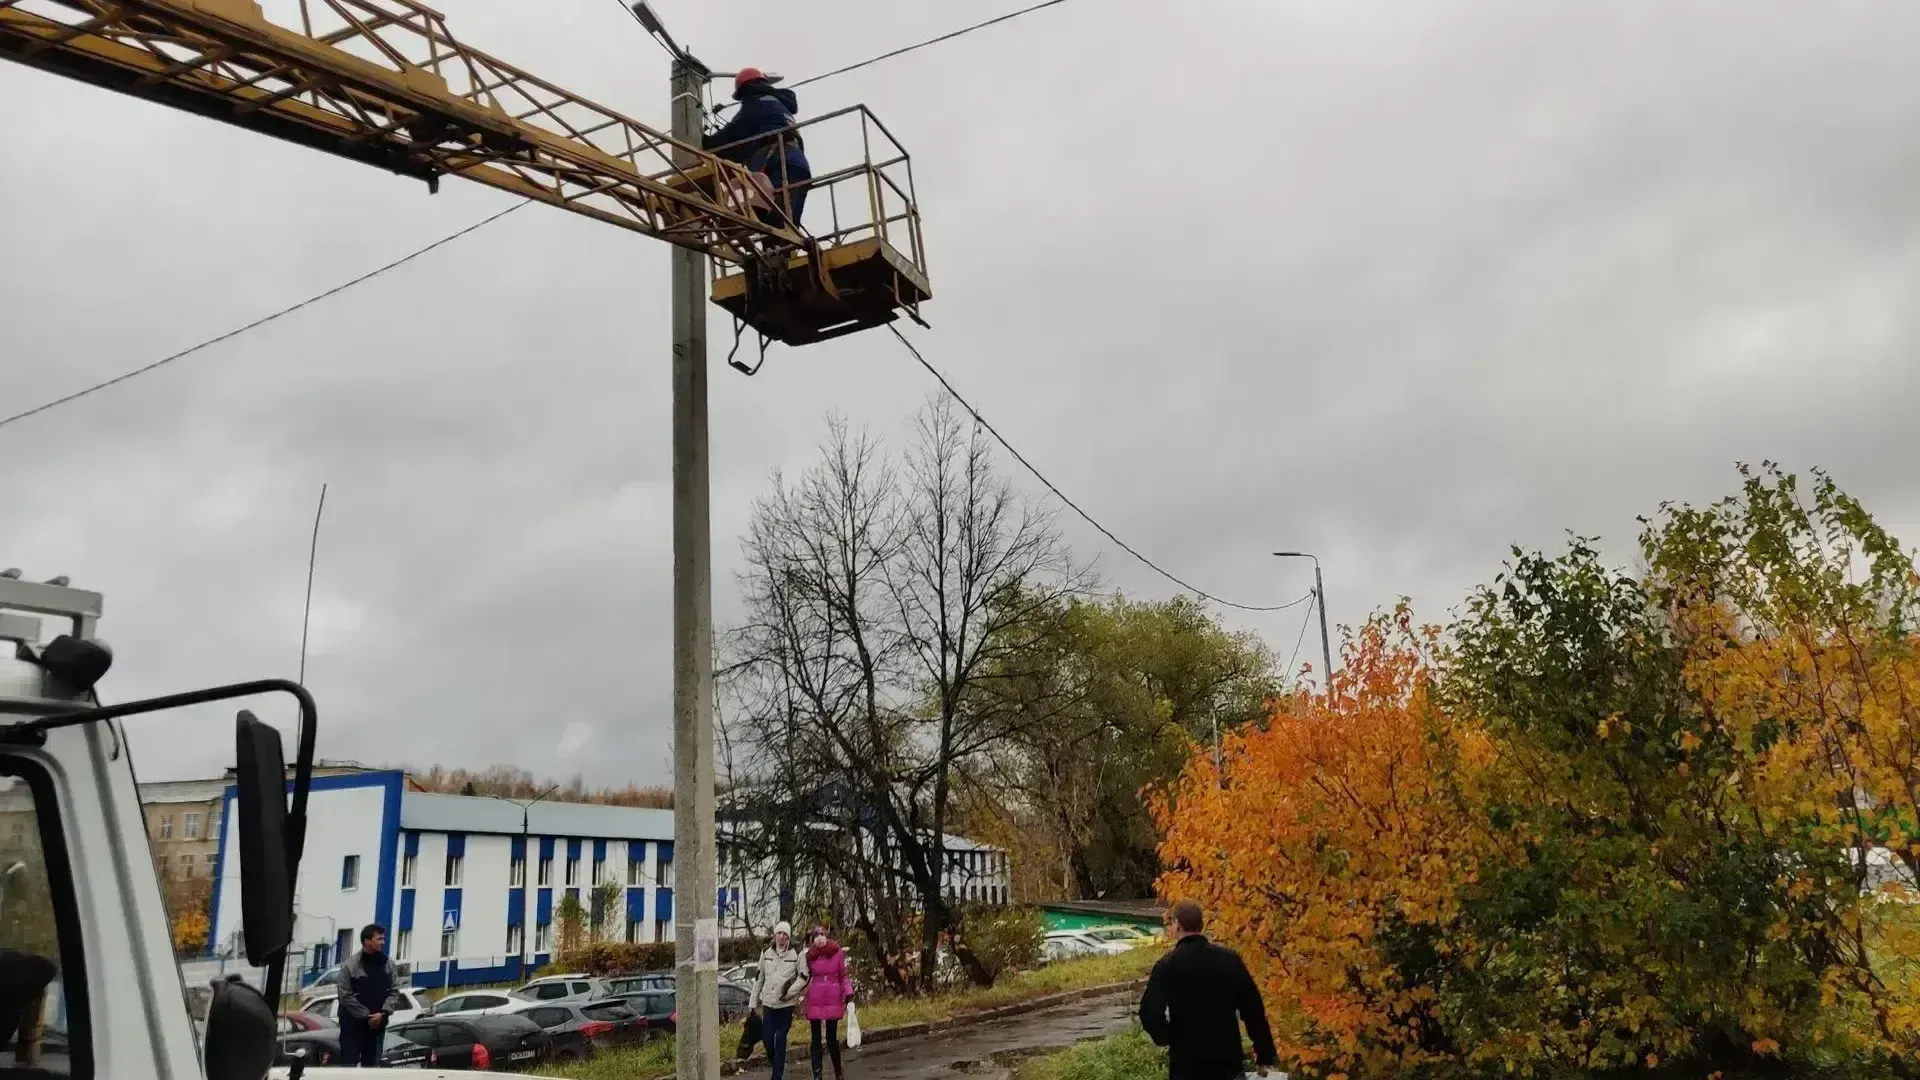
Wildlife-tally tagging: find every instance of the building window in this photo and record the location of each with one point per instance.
(193, 826)
(542, 935)
(166, 826)
(546, 871)
(573, 871)
(634, 926)
(666, 875)
(449, 941)
(406, 870)
(453, 872)
(187, 861)
(161, 862)
(402, 944)
(662, 930)
(350, 873)
(636, 870)
(515, 935)
(600, 871)
(211, 860)
(517, 872)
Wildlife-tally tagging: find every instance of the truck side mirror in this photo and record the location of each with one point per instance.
(260, 795)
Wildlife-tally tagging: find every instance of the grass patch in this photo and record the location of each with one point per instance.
(656, 1058)
(1129, 1055)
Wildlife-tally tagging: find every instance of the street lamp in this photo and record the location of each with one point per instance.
(526, 859)
(1320, 599)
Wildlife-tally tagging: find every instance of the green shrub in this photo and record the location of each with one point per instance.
(620, 957)
(1004, 939)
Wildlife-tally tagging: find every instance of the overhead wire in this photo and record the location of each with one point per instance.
(1297, 642)
(261, 321)
(949, 36)
(1074, 506)
(483, 222)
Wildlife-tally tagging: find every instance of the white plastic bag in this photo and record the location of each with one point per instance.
(853, 1026)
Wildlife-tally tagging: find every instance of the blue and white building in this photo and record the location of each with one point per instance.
(468, 894)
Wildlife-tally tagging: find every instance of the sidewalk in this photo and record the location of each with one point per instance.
(925, 1054)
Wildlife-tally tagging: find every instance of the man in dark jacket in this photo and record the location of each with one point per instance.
(1196, 999)
(367, 999)
(761, 137)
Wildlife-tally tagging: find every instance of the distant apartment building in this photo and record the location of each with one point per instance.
(183, 826)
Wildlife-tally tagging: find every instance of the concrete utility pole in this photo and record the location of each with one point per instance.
(697, 1041)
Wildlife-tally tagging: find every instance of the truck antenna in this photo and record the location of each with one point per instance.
(313, 554)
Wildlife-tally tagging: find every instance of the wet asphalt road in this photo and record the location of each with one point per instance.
(971, 1048)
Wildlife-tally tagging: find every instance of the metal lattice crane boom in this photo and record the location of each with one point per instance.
(385, 82)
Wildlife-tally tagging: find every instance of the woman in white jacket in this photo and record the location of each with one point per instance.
(783, 985)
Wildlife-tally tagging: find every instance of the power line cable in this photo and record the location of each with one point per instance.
(236, 332)
(261, 321)
(1074, 506)
(949, 36)
(1295, 658)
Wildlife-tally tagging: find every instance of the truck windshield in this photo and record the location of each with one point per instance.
(34, 898)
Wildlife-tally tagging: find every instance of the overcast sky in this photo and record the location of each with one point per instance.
(1399, 284)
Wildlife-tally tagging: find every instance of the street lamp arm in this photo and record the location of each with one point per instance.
(1320, 601)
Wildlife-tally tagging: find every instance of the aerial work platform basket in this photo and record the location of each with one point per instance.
(856, 261)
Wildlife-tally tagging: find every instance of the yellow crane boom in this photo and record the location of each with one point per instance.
(385, 82)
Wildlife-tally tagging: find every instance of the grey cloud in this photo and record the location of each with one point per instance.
(1399, 285)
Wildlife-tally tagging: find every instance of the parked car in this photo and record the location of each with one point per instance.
(564, 988)
(598, 1024)
(400, 1053)
(1124, 936)
(1053, 950)
(477, 1002)
(325, 1001)
(747, 974)
(655, 1008)
(306, 1037)
(1084, 937)
(645, 980)
(479, 1041)
(661, 1013)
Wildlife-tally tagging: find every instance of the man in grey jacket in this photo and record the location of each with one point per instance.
(367, 999)
(783, 985)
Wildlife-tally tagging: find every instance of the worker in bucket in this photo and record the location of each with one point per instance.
(761, 137)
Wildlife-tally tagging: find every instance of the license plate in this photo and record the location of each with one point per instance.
(523, 1055)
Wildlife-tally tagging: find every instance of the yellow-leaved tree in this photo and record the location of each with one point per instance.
(1799, 612)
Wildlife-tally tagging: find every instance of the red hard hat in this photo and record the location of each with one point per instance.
(752, 74)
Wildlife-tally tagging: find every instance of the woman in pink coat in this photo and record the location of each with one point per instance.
(828, 990)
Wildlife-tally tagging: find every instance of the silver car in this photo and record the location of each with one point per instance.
(564, 989)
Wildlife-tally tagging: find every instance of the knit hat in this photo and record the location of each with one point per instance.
(782, 927)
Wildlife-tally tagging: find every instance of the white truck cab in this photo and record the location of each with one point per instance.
(89, 988)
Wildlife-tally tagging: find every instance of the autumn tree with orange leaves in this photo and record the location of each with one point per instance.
(1333, 852)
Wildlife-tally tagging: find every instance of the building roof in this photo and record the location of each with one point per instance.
(183, 791)
(1130, 908)
(431, 812)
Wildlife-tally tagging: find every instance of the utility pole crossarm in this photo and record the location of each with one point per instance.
(383, 82)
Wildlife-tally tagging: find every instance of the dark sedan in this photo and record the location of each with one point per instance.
(587, 1026)
(661, 1012)
(399, 1053)
(479, 1041)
